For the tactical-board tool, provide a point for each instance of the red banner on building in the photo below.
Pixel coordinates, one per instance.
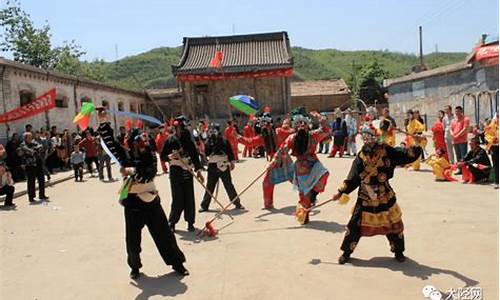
(40, 104)
(243, 75)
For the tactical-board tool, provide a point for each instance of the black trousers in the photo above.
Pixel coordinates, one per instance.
(89, 161)
(479, 174)
(213, 177)
(182, 187)
(8, 191)
(104, 161)
(353, 235)
(35, 174)
(78, 169)
(139, 213)
(494, 159)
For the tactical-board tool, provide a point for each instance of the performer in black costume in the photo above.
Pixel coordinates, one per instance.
(180, 152)
(376, 211)
(220, 164)
(142, 205)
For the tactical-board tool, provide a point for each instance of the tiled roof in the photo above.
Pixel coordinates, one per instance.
(429, 73)
(80, 80)
(164, 93)
(242, 53)
(319, 87)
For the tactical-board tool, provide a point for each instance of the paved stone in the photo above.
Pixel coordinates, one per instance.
(73, 247)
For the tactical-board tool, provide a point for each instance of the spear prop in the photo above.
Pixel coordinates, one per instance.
(209, 229)
(302, 212)
(203, 185)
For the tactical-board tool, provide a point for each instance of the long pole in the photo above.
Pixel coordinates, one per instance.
(420, 45)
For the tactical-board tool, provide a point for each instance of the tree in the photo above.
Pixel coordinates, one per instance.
(31, 45)
(371, 84)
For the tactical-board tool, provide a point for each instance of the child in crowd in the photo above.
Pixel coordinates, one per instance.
(77, 159)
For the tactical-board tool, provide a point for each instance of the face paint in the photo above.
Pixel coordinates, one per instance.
(368, 138)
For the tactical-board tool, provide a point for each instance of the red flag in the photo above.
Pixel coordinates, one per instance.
(216, 62)
(40, 104)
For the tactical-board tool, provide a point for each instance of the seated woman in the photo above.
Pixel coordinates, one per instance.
(476, 164)
(440, 166)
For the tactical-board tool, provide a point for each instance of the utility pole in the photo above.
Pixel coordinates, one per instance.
(420, 46)
(354, 78)
(116, 51)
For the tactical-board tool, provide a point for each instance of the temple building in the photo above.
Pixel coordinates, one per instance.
(212, 69)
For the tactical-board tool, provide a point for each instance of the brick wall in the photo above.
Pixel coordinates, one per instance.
(431, 94)
(322, 103)
(15, 80)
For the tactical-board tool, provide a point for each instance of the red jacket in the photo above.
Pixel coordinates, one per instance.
(248, 131)
(90, 146)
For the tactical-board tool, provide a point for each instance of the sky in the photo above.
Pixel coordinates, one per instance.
(114, 29)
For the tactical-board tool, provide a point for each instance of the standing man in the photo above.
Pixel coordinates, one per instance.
(459, 129)
(448, 117)
(142, 203)
(376, 211)
(6, 185)
(220, 164)
(231, 135)
(248, 132)
(283, 132)
(352, 132)
(180, 152)
(30, 152)
(104, 160)
(339, 132)
(160, 140)
(89, 145)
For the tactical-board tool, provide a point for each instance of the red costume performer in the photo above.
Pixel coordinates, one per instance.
(160, 139)
(438, 138)
(231, 136)
(248, 132)
(308, 174)
(283, 132)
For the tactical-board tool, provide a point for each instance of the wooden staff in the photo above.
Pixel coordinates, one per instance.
(413, 135)
(190, 170)
(208, 224)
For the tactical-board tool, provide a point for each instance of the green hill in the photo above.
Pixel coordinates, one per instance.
(152, 69)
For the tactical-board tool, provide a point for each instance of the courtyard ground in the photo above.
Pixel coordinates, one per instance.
(73, 247)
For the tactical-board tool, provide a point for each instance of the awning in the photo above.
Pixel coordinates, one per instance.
(487, 54)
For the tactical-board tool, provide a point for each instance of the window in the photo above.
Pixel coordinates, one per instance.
(105, 103)
(61, 101)
(132, 107)
(120, 106)
(26, 97)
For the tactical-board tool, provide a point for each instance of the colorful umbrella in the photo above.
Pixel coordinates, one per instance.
(245, 104)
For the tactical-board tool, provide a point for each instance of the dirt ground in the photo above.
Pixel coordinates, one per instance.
(73, 247)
